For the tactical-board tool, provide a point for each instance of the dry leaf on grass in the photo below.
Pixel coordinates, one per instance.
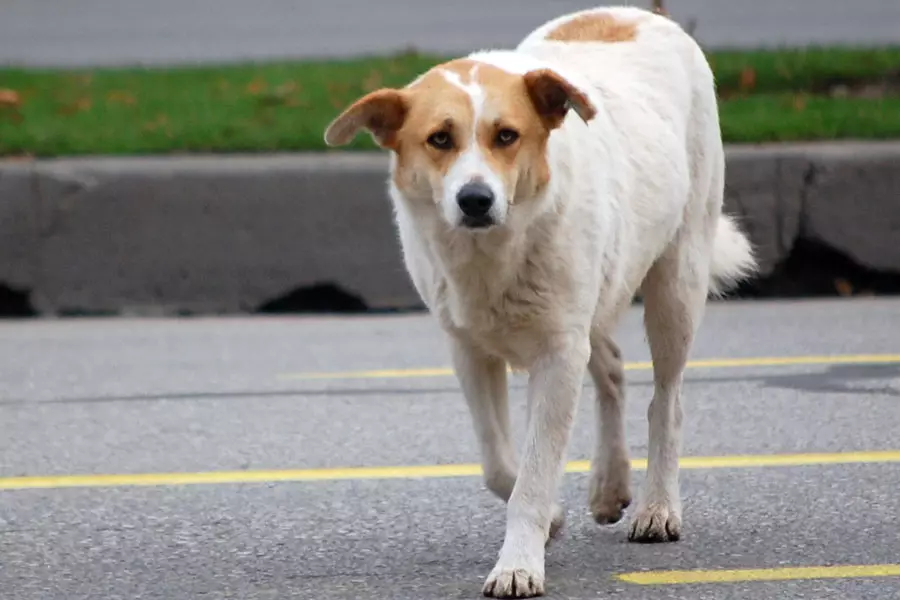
(336, 102)
(121, 97)
(748, 79)
(373, 81)
(256, 87)
(79, 105)
(10, 98)
(160, 122)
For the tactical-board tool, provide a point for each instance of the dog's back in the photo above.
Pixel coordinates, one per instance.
(659, 100)
(642, 63)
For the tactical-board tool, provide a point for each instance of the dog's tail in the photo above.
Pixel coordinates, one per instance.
(732, 258)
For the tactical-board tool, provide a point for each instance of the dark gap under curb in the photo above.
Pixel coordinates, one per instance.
(15, 303)
(317, 298)
(815, 270)
(812, 270)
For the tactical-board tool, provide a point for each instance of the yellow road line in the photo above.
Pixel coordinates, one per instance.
(712, 363)
(742, 575)
(422, 471)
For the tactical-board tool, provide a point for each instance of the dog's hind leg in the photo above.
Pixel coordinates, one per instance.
(674, 291)
(484, 384)
(610, 491)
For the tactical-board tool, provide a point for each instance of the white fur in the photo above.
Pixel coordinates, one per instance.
(634, 203)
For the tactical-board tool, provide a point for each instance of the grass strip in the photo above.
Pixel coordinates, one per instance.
(771, 95)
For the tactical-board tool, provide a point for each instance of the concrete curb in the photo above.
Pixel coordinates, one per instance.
(226, 234)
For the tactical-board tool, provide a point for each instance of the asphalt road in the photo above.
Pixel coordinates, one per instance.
(114, 32)
(202, 417)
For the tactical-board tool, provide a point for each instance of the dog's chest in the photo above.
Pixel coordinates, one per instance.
(511, 321)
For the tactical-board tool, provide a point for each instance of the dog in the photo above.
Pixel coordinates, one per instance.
(537, 191)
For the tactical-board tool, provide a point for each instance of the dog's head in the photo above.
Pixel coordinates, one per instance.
(469, 138)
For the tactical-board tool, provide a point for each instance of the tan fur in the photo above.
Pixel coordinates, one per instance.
(552, 95)
(436, 104)
(402, 121)
(599, 27)
(381, 112)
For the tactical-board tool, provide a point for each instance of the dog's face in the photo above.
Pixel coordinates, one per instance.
(469, 138)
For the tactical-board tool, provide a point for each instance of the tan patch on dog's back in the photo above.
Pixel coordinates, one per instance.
(595, 27)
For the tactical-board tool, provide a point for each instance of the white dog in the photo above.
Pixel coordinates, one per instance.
(537, 191)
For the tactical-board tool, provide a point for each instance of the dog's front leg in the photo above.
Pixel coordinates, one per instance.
(553, 390)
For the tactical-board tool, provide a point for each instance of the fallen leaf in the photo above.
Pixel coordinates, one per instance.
(748, 79)
(338, 88)
(159, 122)
(79, 105)
(18, 158)
(121, 97)
(373, 81)
(336, 102)
(843, 287)
(256, 87)
(10, 98)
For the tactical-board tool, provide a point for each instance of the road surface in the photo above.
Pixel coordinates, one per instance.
(331, 458)
(116, 32)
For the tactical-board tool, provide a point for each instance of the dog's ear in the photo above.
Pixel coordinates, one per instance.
(553, 95)
(381, 113)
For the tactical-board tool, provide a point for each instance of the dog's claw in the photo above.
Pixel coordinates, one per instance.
(513, 583)
(655, 524)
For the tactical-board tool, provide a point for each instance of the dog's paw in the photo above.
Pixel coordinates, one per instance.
(514, 583)
(609, 506)
(655, 523)
(610, 496)
(557, 522)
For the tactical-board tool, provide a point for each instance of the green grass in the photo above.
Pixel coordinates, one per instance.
(791, 117)
(766, 96)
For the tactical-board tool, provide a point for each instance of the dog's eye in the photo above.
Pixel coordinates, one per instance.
(440, 140)
(506, 137)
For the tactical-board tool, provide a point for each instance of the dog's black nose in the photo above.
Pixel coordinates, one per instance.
(475, 199)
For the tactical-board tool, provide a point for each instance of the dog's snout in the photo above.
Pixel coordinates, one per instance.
(475, 199)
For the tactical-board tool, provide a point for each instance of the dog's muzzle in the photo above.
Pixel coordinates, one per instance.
(475, 200)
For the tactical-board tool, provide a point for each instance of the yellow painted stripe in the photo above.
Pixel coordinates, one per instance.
(421, 471)
(741, 575)
(711, 363)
